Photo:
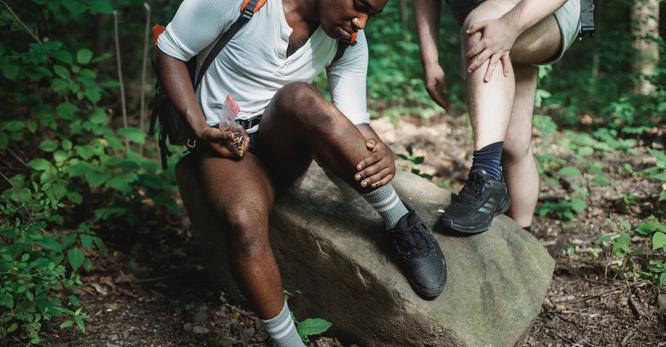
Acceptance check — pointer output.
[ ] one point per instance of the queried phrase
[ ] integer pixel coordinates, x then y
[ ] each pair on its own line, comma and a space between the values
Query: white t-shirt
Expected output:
253, 65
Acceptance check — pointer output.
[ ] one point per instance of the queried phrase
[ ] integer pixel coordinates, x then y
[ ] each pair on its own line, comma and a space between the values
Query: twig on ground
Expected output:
151, 279
7, 179
633, 305
562, 337
609, 292
20, 22
627, 338
146, 36
588, 297
17, 157
119, 66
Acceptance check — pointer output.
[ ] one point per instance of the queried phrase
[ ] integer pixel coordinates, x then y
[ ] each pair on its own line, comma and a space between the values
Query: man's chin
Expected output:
337, 33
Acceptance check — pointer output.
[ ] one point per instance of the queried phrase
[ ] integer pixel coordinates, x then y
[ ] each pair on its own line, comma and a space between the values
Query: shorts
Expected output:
567, 17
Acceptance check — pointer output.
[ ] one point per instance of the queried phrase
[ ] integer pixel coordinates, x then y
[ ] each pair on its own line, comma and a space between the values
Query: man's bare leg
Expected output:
537, 45
299, 124
493, 105
519, 167
241, 196
489, 103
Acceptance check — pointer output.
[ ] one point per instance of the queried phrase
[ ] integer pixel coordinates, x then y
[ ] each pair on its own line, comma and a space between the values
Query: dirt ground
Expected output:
152, 291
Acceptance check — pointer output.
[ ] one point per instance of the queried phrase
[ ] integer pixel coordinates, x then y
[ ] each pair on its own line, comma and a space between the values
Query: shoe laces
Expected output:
473, 188
410, 241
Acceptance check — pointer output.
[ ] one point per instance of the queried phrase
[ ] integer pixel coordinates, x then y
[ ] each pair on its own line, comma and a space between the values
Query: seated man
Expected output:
267, 67
518, 34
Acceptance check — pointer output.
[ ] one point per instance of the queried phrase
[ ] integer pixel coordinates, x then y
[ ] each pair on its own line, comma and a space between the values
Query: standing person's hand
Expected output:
219, 140
436, 85
378, 168
490, 40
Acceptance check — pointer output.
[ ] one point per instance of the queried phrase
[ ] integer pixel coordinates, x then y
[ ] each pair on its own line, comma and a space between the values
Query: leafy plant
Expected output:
658, 172
70, 171
312, 326
416, 160
563, 209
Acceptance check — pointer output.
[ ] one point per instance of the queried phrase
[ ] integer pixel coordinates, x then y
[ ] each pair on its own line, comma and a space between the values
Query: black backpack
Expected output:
174, 126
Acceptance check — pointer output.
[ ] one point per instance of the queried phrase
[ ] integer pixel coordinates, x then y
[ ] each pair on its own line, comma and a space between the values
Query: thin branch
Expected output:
20, 22
7, 179
17, 157
146, 37
119, 65
616, 290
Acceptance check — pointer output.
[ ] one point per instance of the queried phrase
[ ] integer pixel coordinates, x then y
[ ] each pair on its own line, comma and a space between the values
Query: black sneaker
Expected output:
479, 201
419, 256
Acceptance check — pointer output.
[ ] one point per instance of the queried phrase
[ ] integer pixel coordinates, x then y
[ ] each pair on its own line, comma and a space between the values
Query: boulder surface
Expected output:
332, 251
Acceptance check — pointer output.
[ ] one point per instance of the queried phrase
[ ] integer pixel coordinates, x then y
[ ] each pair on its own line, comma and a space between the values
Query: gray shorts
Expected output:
567, 17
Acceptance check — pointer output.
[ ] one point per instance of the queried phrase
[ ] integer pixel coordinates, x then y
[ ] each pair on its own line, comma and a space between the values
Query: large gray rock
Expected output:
329, 244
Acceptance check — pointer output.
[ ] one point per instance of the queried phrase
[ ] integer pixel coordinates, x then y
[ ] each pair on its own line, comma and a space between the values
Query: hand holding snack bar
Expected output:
236, 138
228, 140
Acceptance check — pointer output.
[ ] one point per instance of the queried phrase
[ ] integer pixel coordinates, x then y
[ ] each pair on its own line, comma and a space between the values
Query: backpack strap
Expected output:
342, 47
247, 10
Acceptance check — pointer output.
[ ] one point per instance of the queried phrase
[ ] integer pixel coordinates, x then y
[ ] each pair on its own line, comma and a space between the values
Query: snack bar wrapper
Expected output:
228, 123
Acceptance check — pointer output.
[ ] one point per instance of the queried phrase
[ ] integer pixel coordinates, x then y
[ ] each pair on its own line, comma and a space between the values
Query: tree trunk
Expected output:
404, 19
645, 29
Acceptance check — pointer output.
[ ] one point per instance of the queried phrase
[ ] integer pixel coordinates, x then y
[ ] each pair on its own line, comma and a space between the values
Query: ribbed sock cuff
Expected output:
387, 203
282, 329
489, 158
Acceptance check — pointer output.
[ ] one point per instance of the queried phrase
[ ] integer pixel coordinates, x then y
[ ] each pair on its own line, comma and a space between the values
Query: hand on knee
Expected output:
378, 168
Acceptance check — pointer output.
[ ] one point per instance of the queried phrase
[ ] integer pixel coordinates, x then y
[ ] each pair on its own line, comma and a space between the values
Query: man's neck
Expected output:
301, 11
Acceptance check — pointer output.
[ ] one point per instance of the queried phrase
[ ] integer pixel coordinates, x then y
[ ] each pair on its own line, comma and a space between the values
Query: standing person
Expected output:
517, 35
268, 67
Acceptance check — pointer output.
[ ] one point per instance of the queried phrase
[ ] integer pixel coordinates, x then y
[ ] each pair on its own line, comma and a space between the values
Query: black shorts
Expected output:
461, 8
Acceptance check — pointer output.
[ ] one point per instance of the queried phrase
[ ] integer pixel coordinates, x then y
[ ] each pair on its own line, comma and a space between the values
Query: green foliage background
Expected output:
70, 168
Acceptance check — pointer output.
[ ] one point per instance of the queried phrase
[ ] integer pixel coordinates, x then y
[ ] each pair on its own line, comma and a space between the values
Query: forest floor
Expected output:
152, 291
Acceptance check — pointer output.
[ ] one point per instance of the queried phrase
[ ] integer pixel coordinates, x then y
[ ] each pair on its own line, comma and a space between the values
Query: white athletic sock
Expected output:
282, 330
387, 203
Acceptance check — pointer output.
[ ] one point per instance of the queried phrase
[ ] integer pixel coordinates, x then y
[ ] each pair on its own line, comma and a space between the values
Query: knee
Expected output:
247, 233
302, 104
297, 97
516, 150
485, 11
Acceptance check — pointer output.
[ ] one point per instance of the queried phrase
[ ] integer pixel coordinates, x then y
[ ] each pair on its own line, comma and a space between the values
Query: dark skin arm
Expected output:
176, 82
378, 168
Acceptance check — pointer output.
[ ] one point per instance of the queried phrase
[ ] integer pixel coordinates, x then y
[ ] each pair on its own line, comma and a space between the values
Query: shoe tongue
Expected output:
474, 185
411, 238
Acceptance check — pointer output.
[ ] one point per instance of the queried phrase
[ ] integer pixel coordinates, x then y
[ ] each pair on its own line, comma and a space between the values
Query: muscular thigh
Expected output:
539, 43
286, 131
535, 45
233, 187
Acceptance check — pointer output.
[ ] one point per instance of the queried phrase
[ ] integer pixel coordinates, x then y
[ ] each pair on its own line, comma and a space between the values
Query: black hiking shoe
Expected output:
479, 201
419, 256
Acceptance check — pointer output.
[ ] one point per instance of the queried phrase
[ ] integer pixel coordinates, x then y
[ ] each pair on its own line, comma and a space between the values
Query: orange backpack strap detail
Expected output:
259, 5
158, 29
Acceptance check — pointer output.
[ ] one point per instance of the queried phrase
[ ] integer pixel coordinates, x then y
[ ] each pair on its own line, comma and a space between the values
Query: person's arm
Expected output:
176, 82
426, 14
499, 35
347, 80
195, 26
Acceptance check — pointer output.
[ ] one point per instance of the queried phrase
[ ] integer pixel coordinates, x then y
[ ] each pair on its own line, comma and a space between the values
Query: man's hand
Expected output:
218, 139
378, 168
436, 85
490, 40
